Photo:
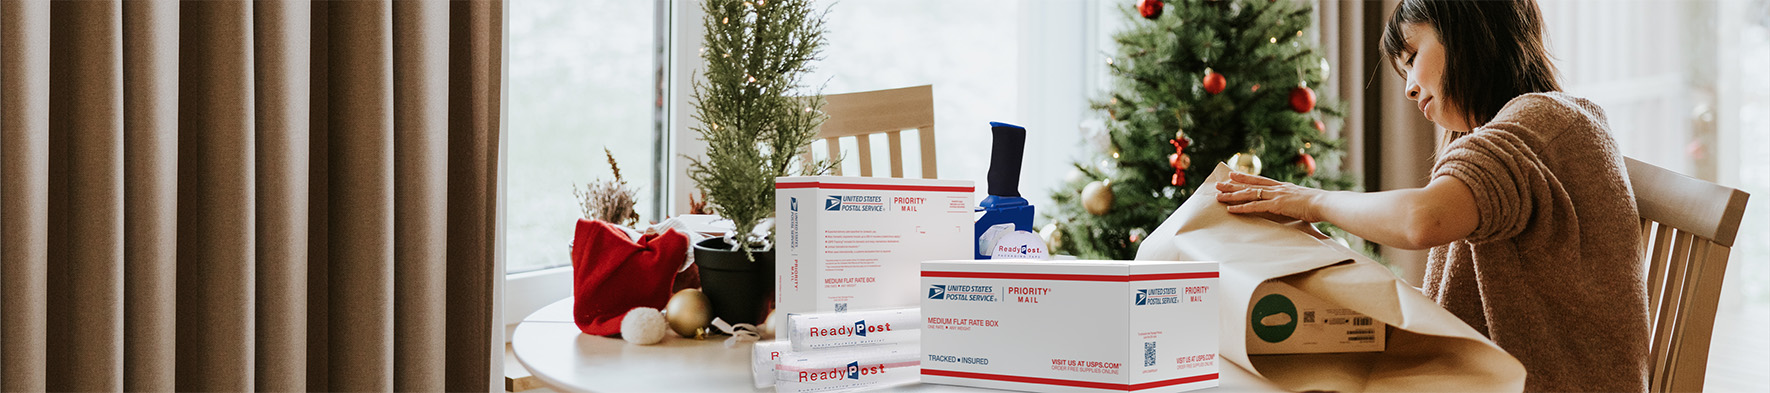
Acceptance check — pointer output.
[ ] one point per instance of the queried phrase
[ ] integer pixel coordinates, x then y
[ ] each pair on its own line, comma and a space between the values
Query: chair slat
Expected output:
894, 142
1656, 260
835, 155
925, 138
1666, 328
1689, 350
864, 145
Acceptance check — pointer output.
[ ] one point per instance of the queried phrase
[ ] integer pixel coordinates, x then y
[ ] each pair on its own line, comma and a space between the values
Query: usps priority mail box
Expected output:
1070, 326
854, 243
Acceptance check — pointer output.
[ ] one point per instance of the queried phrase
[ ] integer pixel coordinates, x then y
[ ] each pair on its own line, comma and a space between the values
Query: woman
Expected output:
1529, 215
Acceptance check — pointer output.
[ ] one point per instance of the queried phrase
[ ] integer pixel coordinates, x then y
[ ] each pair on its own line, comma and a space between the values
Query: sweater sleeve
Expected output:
1509, 181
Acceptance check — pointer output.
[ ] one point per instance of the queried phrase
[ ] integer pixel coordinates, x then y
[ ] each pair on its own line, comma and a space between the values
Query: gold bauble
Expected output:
1097, 198
1247, 163
688, 311
768, 324
1053, 237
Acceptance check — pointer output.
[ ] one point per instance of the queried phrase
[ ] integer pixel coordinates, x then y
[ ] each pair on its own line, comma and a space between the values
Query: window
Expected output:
582, 78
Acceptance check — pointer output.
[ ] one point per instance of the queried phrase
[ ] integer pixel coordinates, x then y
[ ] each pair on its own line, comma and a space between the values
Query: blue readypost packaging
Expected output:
1003, 210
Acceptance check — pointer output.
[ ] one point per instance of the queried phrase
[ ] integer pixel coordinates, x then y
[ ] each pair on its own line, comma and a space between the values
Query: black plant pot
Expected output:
740, 290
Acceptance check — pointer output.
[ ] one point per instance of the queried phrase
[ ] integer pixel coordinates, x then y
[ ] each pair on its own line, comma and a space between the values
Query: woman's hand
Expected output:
1247, 194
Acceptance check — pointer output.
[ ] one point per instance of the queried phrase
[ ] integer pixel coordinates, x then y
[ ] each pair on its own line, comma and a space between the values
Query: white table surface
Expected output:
550, 345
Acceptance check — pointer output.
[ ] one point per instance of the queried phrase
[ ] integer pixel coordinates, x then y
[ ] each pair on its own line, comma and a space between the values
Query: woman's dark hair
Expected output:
1494, 50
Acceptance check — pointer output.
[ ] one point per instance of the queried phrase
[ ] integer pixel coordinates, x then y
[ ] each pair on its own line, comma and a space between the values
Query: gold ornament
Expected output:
1247, 163
767, 327
687, 312
1053, 237
1097, 197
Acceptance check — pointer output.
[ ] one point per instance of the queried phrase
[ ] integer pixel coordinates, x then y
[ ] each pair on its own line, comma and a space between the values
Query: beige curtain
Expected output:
1389, 144
275, 195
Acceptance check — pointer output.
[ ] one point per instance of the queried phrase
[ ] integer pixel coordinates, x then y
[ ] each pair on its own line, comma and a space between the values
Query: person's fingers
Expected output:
1226, 186
1252, 179
1244, 195
1254, 207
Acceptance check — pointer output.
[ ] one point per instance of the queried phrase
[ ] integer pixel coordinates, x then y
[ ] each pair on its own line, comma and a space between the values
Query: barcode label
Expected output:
841, 307
1308, 317
1148, 354
1361, 321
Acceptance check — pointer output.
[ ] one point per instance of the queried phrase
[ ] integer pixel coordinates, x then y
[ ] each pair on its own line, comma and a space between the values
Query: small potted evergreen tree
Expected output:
755, 118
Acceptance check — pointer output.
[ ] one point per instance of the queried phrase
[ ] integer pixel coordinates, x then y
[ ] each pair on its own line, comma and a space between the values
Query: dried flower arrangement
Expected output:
609, 201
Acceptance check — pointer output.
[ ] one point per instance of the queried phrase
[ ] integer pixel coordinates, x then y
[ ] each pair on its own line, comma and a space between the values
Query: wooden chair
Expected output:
1687, 231
882, 111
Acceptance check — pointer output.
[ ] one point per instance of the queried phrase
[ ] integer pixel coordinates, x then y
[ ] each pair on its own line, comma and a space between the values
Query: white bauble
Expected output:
644, 326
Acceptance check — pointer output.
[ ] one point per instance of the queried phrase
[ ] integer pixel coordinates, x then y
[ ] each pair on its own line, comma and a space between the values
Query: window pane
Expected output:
966, 49
580, 81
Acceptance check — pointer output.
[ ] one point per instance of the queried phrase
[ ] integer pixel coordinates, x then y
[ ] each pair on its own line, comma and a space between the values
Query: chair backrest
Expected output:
881, 111
1687, 230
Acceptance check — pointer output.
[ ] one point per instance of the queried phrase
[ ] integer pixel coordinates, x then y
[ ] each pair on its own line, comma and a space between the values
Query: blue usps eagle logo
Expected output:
833, 203
937, 292
793, 203
1142, 296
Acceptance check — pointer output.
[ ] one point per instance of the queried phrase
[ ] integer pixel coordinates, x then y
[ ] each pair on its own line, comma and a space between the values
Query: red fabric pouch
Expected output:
612, 274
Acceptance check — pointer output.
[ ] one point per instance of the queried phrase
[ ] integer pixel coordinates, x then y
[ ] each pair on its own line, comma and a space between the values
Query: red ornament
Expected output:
1308, 164
1320, 127
1150, 9
1302, 99
1214, 82
1255, 88
1179, 161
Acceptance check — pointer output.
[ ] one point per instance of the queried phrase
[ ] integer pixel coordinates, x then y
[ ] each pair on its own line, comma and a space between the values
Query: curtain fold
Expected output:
216, 243
361, 126
227, 196
24, 195
150, 126
280, 30
421, 54
476, 36
85, 196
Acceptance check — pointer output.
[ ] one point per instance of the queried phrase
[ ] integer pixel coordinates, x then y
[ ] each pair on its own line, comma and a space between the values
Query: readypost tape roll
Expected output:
849, 369
763, 357
819, 331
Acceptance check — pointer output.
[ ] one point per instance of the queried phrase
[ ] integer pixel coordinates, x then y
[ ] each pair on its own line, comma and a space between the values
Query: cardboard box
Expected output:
1284, 320
1070, 326
853, 243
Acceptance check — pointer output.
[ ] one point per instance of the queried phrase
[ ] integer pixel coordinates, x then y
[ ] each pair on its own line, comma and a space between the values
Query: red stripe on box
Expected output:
1070, 383
873, 187
1072, 277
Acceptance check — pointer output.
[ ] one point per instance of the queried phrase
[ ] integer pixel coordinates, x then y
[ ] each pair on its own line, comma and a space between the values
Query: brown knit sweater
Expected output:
1553, 271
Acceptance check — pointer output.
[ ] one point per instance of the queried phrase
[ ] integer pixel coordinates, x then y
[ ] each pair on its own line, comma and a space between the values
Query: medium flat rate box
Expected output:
1285, 320
853, 243
1070, 326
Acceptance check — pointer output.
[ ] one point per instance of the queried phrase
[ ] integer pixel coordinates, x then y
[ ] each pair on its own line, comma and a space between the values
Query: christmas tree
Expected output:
755, 116
1196, 82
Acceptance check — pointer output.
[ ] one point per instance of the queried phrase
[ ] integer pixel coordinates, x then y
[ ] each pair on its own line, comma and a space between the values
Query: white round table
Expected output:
550, 345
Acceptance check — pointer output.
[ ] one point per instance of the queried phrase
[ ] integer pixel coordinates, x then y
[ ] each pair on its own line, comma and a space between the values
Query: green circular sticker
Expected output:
1273, 318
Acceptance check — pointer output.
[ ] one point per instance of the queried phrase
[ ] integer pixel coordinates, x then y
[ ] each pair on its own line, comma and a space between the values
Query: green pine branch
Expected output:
755, 116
